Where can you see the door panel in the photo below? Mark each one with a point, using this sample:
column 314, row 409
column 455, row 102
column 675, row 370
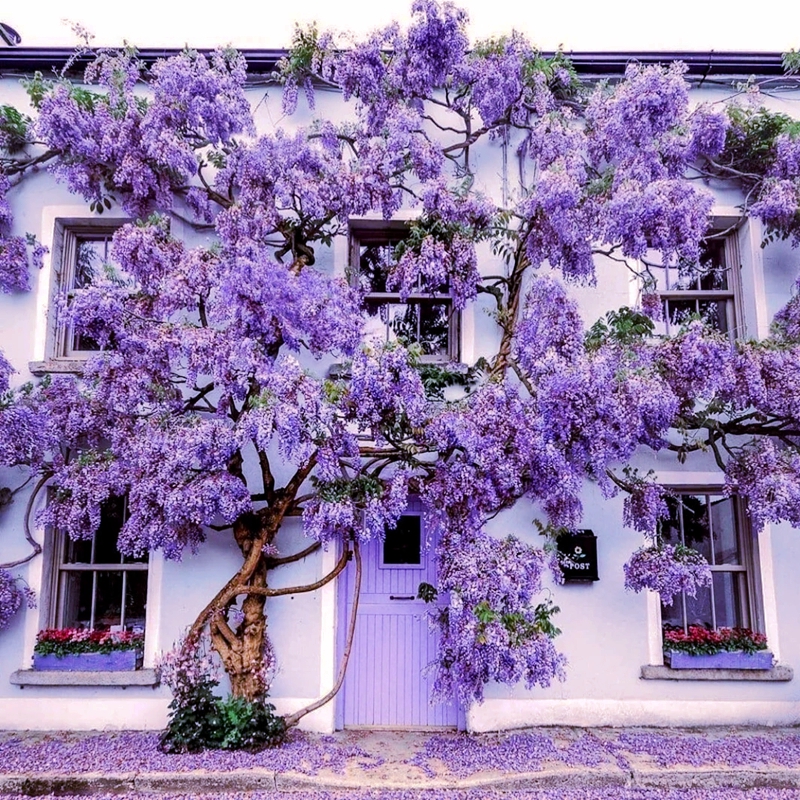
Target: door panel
column 394, row 641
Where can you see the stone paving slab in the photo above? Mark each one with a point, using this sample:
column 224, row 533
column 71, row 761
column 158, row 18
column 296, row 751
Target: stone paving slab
column 349, row 763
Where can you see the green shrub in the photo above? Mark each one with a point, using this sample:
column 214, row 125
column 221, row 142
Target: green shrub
column 202, row 721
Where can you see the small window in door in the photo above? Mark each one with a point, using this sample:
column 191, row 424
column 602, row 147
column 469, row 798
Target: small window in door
column 402, row 546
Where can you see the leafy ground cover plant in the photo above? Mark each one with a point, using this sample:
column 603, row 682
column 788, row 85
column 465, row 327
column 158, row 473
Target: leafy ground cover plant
column 199, row 720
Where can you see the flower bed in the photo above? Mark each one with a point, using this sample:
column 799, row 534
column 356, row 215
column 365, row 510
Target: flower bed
column 71, row 649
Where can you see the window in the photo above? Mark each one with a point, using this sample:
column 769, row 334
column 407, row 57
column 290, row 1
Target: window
column 95, row 586
column 81, row 248
column 424, row 318
column 402, row 545
column 711, row 293
column 716, row 527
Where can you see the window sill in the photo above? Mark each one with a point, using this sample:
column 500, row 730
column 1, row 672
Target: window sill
column 34, row 677
column 73, row 366
column 653, row 672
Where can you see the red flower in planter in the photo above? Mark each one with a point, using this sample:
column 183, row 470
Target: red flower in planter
column 64, row 641
column 698, row 640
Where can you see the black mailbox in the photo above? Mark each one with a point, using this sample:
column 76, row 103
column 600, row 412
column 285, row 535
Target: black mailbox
column 577, row 555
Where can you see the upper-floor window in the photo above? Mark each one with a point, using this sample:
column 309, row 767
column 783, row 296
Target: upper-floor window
column 96, row 587
column 425, row 318
column 710, row 292
column 81, row 252
column 716, row 527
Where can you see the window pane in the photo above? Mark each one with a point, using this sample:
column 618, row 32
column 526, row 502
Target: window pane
column 713, row 275
column 673, row 615
column 677, row 312
column 434, row 328
column 90, row 255
column 403, row 322
column 729, row 594
column 76, row 599
column 108, row 603
column 374, row 263
column 78, row 551
column 696, row 532
column 698, row 609
column 112, row 518
column 403, row 545
column 726, row 542
column 670, row 528
column 135, row 601
column 715, row 314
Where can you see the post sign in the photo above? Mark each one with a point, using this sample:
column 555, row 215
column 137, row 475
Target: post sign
column 577, row 555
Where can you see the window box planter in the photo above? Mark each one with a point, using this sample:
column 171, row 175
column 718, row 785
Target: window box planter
column 80, row 650
column 724, row 660
column 115, row 661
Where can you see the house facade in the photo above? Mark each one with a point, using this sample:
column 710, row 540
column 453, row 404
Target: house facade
column 612, row 638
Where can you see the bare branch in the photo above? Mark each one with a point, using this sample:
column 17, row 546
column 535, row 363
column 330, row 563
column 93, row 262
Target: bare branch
column 279, row 562
column 36, row 548
column 308, row 587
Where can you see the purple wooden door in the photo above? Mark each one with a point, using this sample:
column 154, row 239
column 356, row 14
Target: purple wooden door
column 394, row 642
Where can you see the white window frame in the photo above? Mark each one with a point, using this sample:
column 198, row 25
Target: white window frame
column 380, row 231
column 731, row 296
column 58, row 568
column 67, row 233
column 752, row 611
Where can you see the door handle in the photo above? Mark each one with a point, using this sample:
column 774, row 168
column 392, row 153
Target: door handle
column 402, row 597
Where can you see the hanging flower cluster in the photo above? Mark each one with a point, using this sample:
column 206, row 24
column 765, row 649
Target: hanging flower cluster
column 493, row 629
column 667, row 569
column 12, row 597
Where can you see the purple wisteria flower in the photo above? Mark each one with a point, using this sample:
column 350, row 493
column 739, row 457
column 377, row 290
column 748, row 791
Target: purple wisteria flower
column 13, row 595
column 667, row 569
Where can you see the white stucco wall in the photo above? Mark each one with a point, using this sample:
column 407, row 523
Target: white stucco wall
column 608, row 633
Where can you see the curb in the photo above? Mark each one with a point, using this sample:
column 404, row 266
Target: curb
column 253, row 780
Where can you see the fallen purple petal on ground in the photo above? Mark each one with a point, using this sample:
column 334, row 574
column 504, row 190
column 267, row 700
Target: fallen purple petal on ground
column 611, row 793
column 461, row 755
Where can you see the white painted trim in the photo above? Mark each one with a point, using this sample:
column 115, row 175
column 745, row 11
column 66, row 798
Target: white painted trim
column 655, row 649
column 325, row 716
column 467, row 333
column 47, row 237
column 152, row 631
column 754, row 297
column 493, row 715
column 768, row 597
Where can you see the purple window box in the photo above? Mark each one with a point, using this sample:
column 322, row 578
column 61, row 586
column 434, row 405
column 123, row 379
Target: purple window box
column 725, row 660
column 115, row 661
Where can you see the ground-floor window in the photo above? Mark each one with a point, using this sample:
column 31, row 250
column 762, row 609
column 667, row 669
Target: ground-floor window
column 716, row 527
column 96, row 586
